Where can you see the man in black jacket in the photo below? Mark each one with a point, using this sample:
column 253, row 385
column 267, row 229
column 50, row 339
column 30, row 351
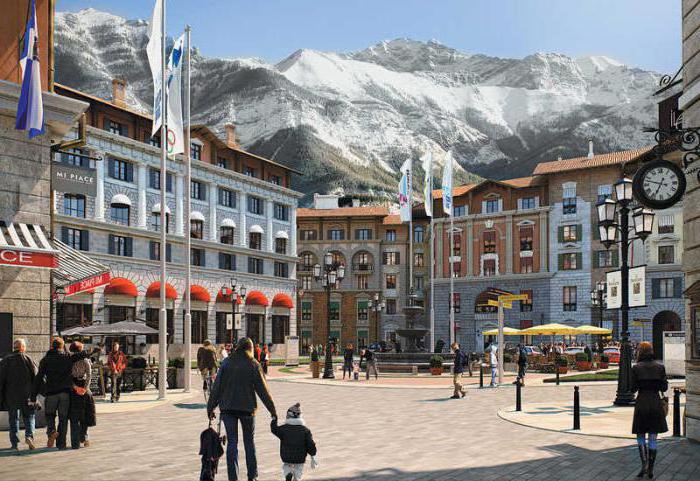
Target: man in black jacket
column 54, row 380
column 17, row 372
column 238, row 381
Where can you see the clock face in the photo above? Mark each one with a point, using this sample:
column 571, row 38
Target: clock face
column 659, row 184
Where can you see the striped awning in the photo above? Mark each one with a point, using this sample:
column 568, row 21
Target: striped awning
column 77, row 271
column 26, row 245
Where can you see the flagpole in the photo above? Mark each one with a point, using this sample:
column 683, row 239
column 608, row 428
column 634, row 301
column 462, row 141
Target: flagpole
column 452, row 278
column 163, row 317
column 432, row 280
column 188, row 177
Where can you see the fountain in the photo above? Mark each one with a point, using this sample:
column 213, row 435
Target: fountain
column 411, row 333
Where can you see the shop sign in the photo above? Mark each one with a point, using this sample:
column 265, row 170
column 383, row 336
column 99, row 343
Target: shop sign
column 73, row 180
column 22, row 258
column 89, row 283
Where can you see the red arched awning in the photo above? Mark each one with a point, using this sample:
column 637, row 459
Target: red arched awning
column 199, row 293
column 282, row 300
column 122, row 287
column 256, row 298
column 222, row 298
column 154, row 291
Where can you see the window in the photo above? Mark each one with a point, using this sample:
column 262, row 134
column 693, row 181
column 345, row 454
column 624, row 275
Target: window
column 255, row 240
column 280, row 245
column 75, row 157
column 155, row 222
column 76, row 238
column 391, row 235
column 334, row 313
column 391, row 281
column 154, row 141
column 570, row 261
column 526, row 306
column 456, row 302
column 120, row 245
column 418, row 283
column 362, row 311
column 666, row 288
column 306, row 310
column 362, row 338
column 308, row 235
column 489, row 267
column 392, row 259
column 390, row 306
column 526, row 238
column 490, row 242
column 418, row 260
column 306, row 282
column 199, row 326
column 606, row 258
column 307, row 261
column 457, row 244
column 154, row 251
column 198, row 190
column 362, row 282
column 526, row 265
column 195, row 151
column 154, row 180
column 281, row 269
column 666, row 224
column 418, row 235
column 255, row 265
column 227, row 235
column 492, row 206
column 121, row 170
column 338, row 258
column 72, row 315
column 227, row 198
column 255, row 205
column 527, row 203
column 74, row 205
column 280, row 328
column 197, row 257
column 274, row 179
column 281, row 212
column 336, row 234
column 119, row 213
column 569, row 298
column 221, row 162
column 456, row 269
column 569, row 205
column 569, row 233
column 196, row 229
column 114, row 127
column 363, row 261
column 249, row 171
column 604, row 192
column 666, row 255
column 363, row 234
column 460, row 210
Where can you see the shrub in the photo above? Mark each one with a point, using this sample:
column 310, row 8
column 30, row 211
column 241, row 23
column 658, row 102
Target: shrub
column 177, row 362
column 561, row 361
column 604, row 359
column 582, row 357
column 436, row 361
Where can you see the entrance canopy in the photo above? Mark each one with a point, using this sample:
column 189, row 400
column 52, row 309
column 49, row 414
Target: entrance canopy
column 26, row 245
column 122, row 287
column 77, row 272
column 282, row 300
column 153, row 291
column 256, row 298
column 123, row 328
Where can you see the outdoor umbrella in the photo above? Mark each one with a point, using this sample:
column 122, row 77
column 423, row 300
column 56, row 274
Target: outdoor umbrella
column 552, row 329
column 123, row 328
column 593, row 330
column 507, row 331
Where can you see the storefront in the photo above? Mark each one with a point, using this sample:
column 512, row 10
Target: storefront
column 120, row 305
column 153, row 311
column 282, row 306
column 199, row 303
column 255, row 310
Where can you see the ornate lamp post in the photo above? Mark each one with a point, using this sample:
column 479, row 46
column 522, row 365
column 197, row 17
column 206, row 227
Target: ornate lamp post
column 376, row 305
column 598, row 299
column 330, row 274
column 234, row 292
column 609, row 227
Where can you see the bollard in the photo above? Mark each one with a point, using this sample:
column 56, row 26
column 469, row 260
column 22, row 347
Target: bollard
column 481, row 374
column 556, row 368
column 676, row 413
column 577, row 410
column 518, row 397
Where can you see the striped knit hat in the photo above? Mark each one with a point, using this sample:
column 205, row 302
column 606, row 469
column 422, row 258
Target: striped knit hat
column 294, row 411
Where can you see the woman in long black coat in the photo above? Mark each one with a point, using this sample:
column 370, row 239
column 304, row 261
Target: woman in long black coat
column 648, row 381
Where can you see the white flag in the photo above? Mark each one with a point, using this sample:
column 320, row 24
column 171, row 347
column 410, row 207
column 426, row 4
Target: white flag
column 405, row 188
column 447, row 185
column 176, row 136
column 155, row 60
column 428, row 187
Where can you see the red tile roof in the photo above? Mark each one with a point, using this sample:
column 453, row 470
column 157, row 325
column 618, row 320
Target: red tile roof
column 366, row 211
column 579, row 163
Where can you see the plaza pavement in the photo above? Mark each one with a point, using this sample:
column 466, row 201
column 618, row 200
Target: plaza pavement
column 363, row 434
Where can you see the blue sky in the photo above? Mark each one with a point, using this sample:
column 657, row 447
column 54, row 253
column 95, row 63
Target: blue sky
column 642, row 33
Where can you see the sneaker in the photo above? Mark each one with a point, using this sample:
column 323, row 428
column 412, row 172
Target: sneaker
column 30, row 443
column 454, row 397
column 51, row 440
column 86, row 443
column 14, row 447
column 464, row 393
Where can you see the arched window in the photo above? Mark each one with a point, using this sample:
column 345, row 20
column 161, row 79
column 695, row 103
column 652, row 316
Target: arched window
column 308, row 259
column 196, row 229
column 120, row 213
column 362, row 261
column 74, row 205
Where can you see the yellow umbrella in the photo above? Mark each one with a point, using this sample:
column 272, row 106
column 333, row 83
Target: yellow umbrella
column 593, row 330
column 552, row 329
column 507, row 331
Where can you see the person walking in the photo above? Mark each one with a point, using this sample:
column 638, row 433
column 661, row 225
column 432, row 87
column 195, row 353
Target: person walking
column 264, row 358
column 239, row 379
column 54, row 380
column 116, row 362
column 650, row 383
column 206, row 362
column 17, row 373
column 81, row 413
column 348, row 355
column 457, row 371
column 370, row 364
column 522, row 365
column 296, row 442
column 493, row 360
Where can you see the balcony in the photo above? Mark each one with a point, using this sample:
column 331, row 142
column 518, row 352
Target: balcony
column 305, row 268
column 363, row 268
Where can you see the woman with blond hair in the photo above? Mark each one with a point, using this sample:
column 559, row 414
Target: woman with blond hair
column 649, row 382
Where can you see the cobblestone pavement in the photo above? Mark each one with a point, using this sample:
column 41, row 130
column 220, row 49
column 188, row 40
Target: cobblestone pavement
column 362, row 434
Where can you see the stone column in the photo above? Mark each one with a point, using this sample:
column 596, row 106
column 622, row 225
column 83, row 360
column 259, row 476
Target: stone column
column 242, row 229
column 179, row 204
column 439, row 251
column 141, row 185
column 269, row 214
column 470, row 247
column 293, row 231
column 100, row 186
column 543, row 242
column 509, row 244
column 213, row 222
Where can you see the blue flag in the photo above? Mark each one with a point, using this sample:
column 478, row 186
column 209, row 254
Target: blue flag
column 30, row 110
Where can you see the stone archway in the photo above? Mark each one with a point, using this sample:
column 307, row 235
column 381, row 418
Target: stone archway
column 664, row 321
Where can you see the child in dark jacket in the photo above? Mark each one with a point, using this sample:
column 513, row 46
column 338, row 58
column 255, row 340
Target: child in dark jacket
column 296, row 442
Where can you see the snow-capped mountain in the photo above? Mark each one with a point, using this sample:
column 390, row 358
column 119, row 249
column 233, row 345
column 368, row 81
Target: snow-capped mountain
column 348, row 120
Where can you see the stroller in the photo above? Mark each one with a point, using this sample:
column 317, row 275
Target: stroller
column 211, row 448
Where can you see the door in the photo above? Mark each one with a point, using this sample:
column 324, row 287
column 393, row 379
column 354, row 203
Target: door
column 254, row 324
column 663, row 321
column 5, row 333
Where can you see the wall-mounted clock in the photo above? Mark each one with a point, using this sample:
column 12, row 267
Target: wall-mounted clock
column 659, row 184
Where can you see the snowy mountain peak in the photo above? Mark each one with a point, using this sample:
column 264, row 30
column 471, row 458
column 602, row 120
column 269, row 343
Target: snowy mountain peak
column 407, row 55
column 596, row 64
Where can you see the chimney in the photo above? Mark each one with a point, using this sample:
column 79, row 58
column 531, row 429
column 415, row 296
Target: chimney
column 590, row 149
column 119, row 92
column 231, row 140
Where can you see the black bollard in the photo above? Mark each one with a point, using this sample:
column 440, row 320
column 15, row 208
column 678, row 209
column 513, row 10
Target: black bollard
column 518, row 397
column 676, row 413
column 556, row 367
column 481, row 373
column 577, row 410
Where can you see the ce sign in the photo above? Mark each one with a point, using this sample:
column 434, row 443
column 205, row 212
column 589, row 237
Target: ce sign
column 18, row 258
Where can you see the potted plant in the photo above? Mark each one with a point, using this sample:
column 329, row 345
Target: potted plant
column 562, row 365
column 604, row 362
column 436, row 363
column 315, row 364
column 583, row 362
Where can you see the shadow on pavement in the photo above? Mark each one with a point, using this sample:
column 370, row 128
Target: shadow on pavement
column 190, row 405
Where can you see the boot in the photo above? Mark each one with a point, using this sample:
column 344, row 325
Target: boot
column 643, row 458
column 652, row 459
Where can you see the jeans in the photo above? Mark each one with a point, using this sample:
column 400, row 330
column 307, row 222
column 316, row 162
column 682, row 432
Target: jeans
column 494, row 374
column 57, row 404
column 116, row 386
column 248, row 426
column 347, row 367
column 372, row 365
column 28, row 418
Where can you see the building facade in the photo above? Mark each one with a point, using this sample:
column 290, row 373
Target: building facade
column 241, row 226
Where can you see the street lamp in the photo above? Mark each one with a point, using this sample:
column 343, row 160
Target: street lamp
column 330, row 274
column 599, row 298
column 376, row 306
column 234, row 292
column 609, row 229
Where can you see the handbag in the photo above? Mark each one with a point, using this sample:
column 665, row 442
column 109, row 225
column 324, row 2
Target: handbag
column 664, row 404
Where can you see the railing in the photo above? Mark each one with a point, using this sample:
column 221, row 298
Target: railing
column 305, row 268
column 363, row 267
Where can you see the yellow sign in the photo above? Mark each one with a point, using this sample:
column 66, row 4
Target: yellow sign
column 513, row 297
column 506, row 305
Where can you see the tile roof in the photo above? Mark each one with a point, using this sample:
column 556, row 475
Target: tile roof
column 456, row 191
column 517, row 183
column 366, row 211
column 393, row 219
column 579, row 163
column 521, row 182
